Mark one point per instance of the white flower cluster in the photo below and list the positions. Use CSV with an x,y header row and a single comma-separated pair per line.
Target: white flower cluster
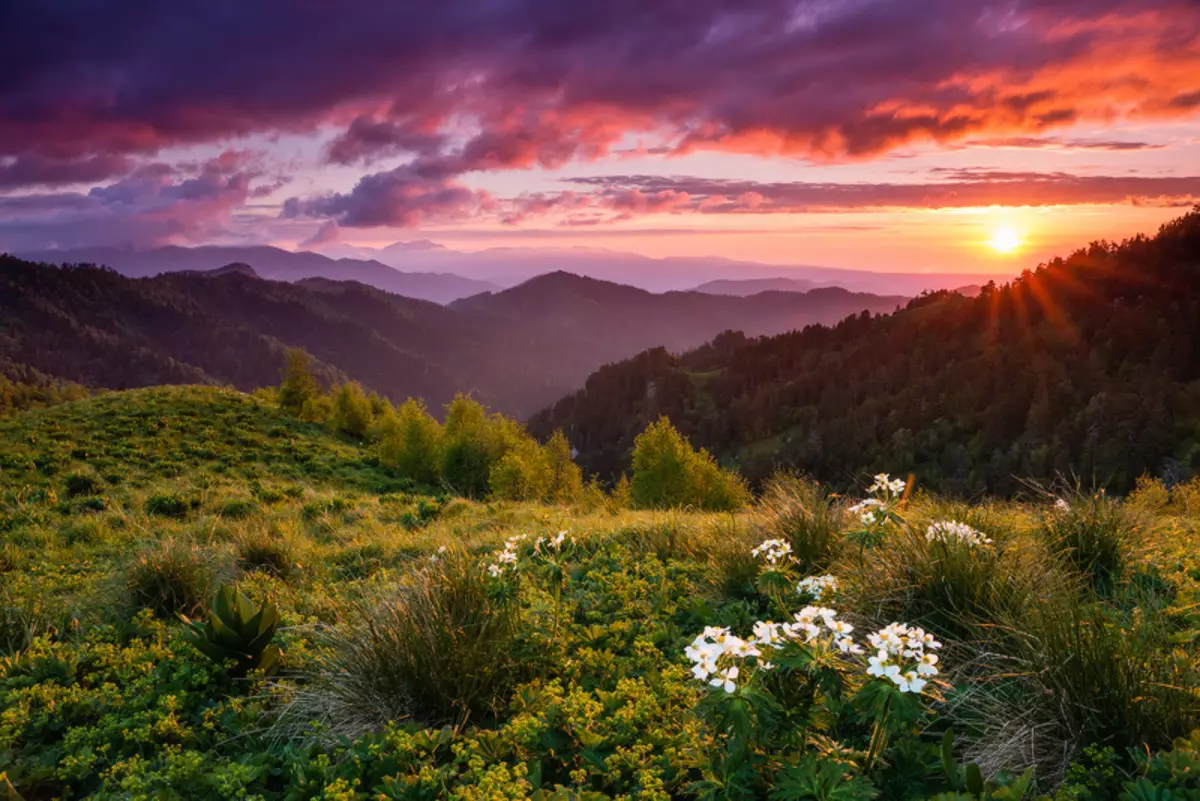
x,y
870,512
887,486
506,559
817,586
773,551
951,531
1060,505
715,654
554,543
875,511
437,557
903,656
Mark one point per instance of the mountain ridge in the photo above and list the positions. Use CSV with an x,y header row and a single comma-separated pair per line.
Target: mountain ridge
x,y
96,327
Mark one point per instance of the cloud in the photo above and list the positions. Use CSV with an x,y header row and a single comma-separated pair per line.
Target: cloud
x,y
35,169
1059,143
459,87
156,204
956,188
400,198
775,76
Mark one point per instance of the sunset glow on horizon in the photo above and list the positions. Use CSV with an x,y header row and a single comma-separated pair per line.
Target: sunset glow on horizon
x,y
891,135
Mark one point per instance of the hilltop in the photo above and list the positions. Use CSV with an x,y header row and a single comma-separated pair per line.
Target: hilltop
x,y
192,434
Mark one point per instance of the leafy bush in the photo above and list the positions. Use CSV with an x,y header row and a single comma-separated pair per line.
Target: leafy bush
x,y
669,473
1149,494
473,442
299,385
170,579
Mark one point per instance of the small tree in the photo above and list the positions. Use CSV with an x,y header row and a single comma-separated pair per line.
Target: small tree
x,y
473,442
669,473
351,413
411,442
566,479
523,473
299,385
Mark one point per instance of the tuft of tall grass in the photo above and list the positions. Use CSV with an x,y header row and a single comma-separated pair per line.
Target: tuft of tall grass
x,y
442,650
946,587
269,552
1109,675
171,578
1095,536
802,513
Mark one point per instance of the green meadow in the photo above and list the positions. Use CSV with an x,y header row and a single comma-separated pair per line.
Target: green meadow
x,y
207,594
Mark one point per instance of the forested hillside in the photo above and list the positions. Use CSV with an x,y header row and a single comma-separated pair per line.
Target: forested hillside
x,y
1086,367
516,351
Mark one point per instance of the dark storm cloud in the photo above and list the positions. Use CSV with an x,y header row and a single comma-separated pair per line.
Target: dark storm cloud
x,y
461,86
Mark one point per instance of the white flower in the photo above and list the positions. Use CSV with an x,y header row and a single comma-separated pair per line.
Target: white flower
x,y
925,665
772,551
950,531
766,633
847,646
876,665
839,627
816,585
910,682
726,678
1061,505
495,570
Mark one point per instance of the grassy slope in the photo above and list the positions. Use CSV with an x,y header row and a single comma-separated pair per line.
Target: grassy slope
x,y
295,513
203,434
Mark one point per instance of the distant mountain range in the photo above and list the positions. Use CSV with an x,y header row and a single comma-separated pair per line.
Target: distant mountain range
x,y
427,271
752,286
273,263
510,266
518,349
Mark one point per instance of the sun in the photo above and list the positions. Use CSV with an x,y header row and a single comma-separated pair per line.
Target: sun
x,y
1005,239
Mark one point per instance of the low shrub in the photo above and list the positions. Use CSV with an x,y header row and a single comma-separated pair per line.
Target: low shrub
x,y
80,484
170,505
237,508
669,473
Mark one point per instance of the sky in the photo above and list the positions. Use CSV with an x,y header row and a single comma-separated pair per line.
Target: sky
x,y
920,135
